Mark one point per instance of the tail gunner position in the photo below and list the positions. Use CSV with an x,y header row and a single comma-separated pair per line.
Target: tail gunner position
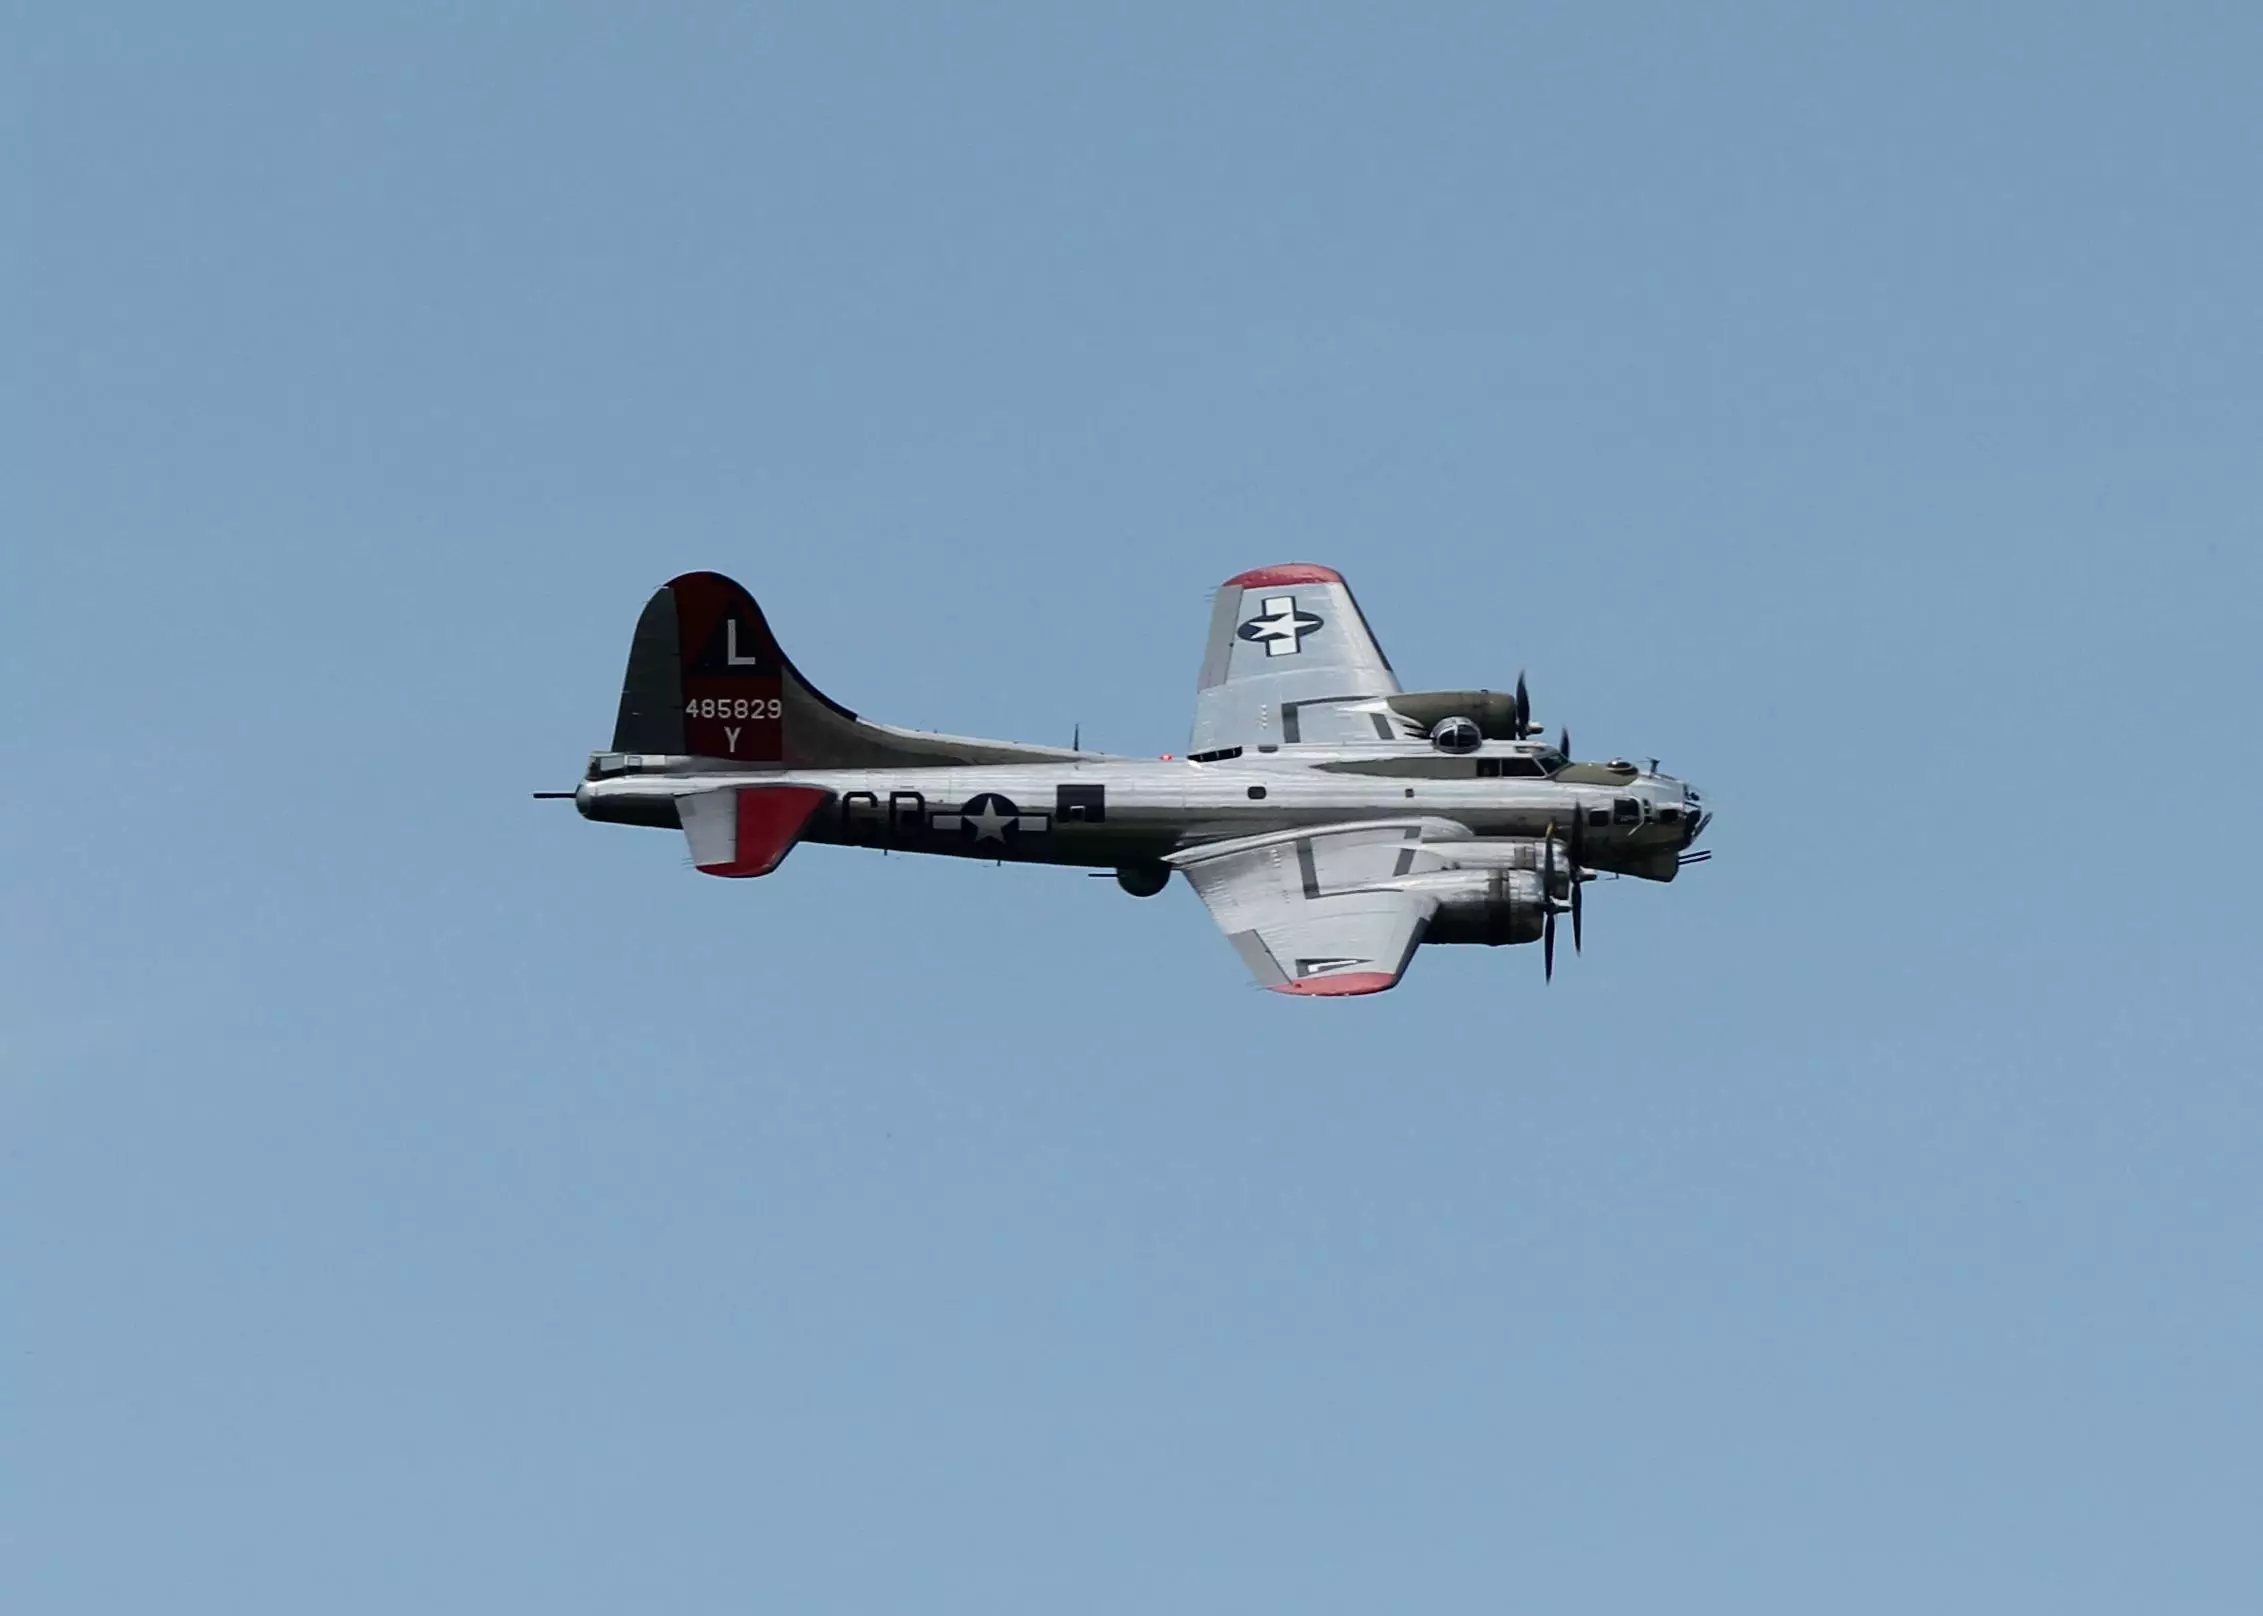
x,y
1332,822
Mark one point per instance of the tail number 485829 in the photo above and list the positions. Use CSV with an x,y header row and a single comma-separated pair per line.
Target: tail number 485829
x,y
734,707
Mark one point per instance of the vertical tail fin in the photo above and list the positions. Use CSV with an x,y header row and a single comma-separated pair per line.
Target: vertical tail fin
x,y
706,677
707,680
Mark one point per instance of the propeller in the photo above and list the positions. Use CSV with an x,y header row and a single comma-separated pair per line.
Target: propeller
x,y
1576,852
1579,864
1524,708
1548,903
1564,742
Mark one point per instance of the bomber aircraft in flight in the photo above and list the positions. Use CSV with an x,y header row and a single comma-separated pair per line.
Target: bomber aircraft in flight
x,y
1331,821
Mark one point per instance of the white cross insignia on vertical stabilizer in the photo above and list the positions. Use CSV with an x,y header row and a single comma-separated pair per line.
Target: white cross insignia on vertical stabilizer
x,y
1281,628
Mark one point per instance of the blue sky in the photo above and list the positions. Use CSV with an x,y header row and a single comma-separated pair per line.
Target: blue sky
x,y
414,1197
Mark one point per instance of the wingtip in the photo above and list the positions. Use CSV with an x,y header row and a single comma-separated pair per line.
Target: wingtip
x,y
1291,572
1349,984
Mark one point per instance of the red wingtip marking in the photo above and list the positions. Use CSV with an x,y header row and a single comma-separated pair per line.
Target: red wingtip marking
x,y
1339,987
1294,572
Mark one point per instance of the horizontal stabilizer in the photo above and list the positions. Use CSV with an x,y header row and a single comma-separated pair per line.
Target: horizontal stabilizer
x,y
748,831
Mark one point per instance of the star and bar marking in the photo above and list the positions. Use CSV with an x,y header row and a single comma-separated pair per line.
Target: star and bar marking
x,y
1280,627
990,817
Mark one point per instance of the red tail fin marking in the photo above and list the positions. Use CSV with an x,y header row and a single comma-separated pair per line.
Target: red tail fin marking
x,y
733,672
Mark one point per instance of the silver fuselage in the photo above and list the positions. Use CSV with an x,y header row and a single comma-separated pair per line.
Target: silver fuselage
x,y
1104,811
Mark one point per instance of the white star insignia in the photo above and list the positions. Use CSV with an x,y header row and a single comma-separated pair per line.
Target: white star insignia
x,y
989,825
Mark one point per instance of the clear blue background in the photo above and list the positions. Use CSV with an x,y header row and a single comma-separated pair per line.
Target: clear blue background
x,y
414,1198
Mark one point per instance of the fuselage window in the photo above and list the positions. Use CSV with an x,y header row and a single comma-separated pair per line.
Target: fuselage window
x,y
1598,818
1627,811
1256,793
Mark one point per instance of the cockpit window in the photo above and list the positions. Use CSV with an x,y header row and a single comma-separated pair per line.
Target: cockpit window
x,y
1627,811
1514,767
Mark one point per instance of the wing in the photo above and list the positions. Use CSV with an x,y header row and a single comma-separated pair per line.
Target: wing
x,y
1317,910
1289,659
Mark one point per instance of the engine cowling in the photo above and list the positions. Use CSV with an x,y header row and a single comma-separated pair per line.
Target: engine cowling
x,y
1493,711
1492,907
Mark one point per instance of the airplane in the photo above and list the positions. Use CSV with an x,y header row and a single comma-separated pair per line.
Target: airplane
x,y
1331,822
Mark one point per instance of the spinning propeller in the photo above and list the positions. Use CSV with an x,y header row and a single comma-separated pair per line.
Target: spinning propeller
x,y
1576,851
1579,873
1548,903
1578,883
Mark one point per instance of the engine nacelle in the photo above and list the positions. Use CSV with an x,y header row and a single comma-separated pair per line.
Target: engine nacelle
x,y
1508,853
1487,906
1492,711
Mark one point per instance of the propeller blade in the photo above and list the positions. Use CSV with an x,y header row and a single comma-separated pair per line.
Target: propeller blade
x,y
1564,742
1579,863
1524,708
1548,903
